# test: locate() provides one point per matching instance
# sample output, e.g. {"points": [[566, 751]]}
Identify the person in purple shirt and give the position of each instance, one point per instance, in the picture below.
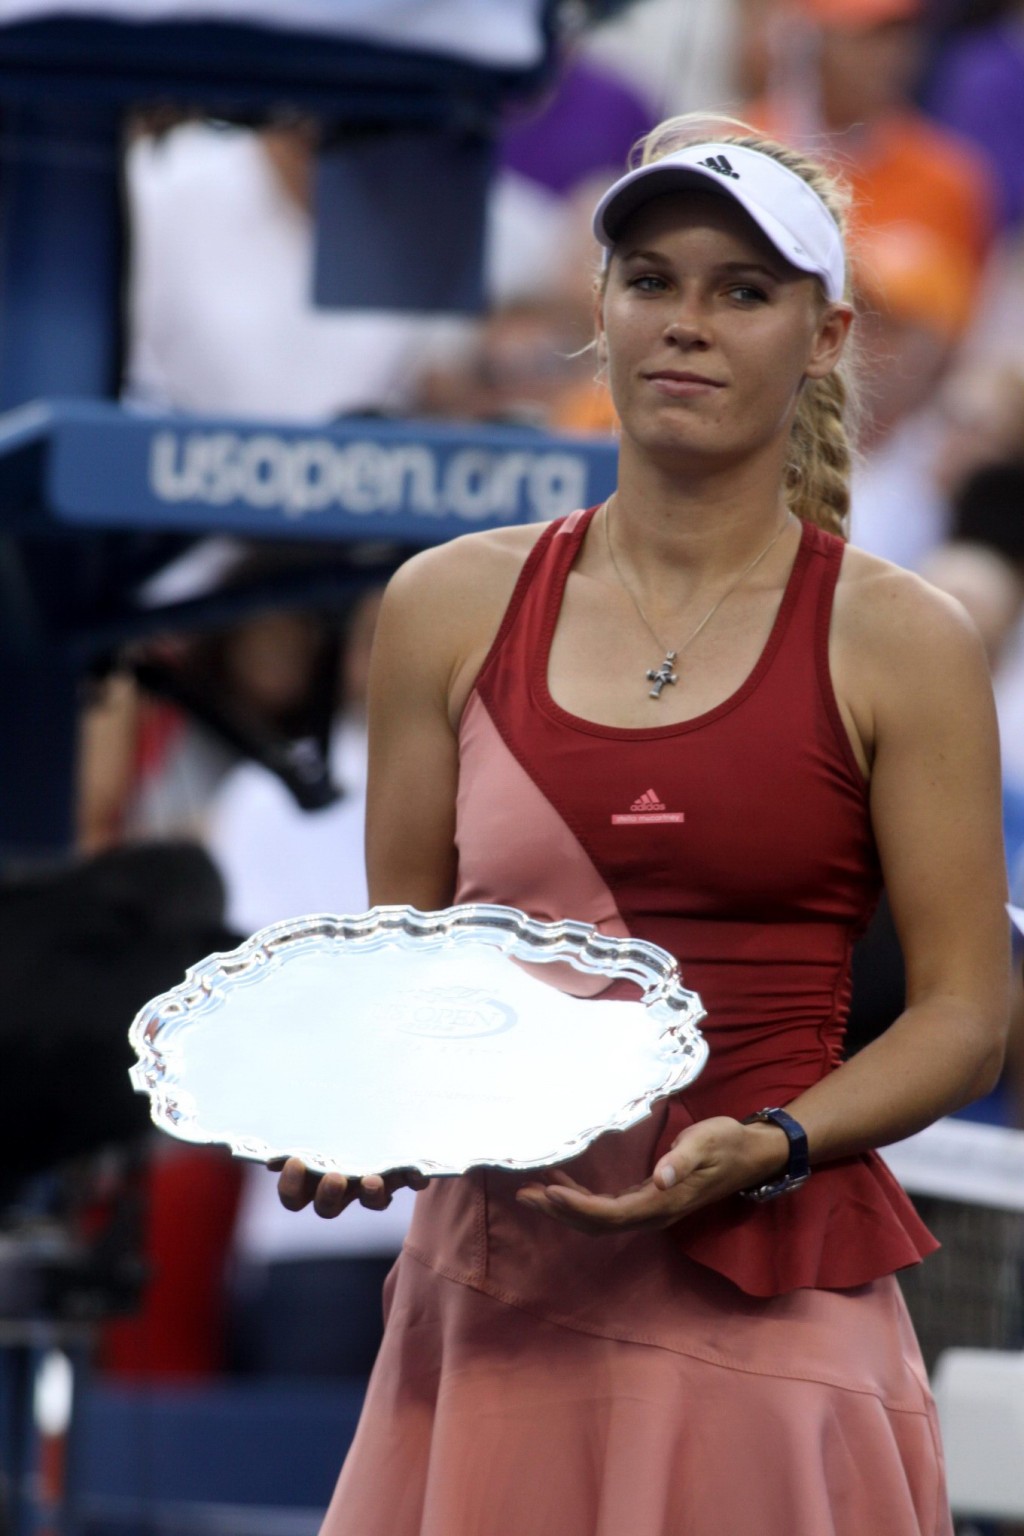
{"points": [[587, 124], [977, 88]]}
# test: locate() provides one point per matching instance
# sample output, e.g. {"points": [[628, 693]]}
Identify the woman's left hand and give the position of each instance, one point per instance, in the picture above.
{"points": [[707, 1162]]}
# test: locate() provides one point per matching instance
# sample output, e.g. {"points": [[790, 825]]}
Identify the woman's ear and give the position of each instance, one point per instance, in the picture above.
{"points": [[829, 340]]}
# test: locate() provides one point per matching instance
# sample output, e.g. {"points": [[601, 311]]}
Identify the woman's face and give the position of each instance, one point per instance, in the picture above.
{"points": [[708, 332]]}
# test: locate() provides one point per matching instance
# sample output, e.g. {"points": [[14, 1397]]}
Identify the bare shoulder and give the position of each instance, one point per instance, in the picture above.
{"points": [[889, 614], [444, 606], [902, 653], [474, 569]]}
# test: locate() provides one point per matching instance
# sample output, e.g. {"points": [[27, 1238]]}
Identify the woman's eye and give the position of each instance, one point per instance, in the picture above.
{"points": [[647, 282], [748, 294]]}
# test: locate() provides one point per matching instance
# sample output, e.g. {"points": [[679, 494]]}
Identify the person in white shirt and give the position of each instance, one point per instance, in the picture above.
{"points": [[278, 861]]}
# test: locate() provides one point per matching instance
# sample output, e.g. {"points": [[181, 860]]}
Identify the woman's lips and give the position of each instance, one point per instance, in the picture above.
{"points": [[682, 386]]}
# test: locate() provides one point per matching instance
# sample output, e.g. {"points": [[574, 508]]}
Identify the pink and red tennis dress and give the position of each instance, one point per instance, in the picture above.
{"points": [[750, 1368]]}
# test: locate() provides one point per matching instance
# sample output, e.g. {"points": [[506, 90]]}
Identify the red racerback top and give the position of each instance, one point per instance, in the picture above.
{"points": [[741, 842]]}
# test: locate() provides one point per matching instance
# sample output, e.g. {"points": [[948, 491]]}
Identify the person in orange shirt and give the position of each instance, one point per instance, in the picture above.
{"points": [[836, 76]]}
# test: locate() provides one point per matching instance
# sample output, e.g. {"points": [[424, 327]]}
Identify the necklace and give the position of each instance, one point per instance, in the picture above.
{"points": [[660, 676]]}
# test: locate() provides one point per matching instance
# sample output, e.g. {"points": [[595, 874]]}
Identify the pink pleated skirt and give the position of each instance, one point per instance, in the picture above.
{"points": [[804, 1415]]}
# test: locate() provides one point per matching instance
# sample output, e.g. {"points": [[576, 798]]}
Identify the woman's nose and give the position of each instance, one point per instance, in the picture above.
{"points": [[687, 325]]}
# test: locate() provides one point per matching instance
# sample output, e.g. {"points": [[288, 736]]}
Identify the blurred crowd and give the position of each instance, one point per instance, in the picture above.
{"points": [[919, 104]]}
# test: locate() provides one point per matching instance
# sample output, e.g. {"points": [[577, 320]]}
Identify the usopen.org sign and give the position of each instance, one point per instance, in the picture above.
{"points": [[307, 475], [399, 480]]}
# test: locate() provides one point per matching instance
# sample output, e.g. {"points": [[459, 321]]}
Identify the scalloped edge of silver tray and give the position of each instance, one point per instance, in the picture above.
{"points": [[676, 1009]]}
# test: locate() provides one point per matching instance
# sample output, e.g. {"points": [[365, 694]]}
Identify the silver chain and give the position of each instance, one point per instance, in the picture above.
{"points": [[666, 676]]}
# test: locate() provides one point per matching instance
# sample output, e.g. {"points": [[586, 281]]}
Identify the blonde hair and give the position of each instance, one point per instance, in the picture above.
{"points": [[817, 484]]}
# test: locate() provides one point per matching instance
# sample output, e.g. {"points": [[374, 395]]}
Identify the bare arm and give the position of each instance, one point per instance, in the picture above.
{"points": [[438, 620], [936, 810]]}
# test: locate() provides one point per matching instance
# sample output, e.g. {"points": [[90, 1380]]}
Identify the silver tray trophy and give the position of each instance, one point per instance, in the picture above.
{"points": [[407, 1039]]}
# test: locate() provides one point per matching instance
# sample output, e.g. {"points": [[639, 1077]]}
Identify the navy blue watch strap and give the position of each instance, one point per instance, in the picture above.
{"points": [[798, 1166]]}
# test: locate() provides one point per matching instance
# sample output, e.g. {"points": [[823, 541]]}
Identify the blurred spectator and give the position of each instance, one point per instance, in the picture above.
{"points": [[982, 409], [997, 332], [524, 360], [305, 1293], [839, 76], [977, 89], [911, 303], [587, 124], [147, 765], [302, 861], [148, 768], [264, 673], [531, 364], [221, 313], [222, 318], [935, 412], [158, 733], [683, 57], [915, 304]]}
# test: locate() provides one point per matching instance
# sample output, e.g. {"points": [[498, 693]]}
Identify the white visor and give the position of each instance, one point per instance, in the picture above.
{"points": [[781, 204]]}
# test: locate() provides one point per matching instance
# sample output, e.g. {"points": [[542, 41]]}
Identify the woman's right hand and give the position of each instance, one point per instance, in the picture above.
{"points": [[331, 1193]]}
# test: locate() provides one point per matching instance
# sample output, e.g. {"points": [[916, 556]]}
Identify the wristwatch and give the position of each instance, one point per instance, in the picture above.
{"points": [[798, 1167]]}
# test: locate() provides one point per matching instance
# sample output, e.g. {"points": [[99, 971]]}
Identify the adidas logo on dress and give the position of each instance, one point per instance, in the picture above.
{"points": [[648, 802], [648, 809]]}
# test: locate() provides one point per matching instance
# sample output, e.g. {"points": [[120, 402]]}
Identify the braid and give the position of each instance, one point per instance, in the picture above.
{"points": [[818, 479], [821, 451]]}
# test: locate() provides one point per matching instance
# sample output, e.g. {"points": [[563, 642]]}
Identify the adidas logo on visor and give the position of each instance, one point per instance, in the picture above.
{"points": [[720, 164]]}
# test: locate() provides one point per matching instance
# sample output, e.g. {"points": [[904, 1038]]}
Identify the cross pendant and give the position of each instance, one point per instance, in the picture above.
{"points": [[663, 675]]}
